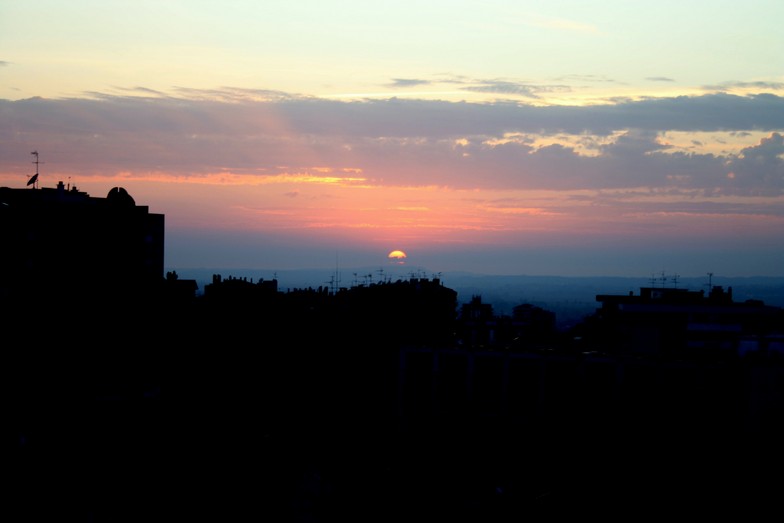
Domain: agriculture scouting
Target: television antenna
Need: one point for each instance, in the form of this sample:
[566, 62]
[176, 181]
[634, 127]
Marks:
[34, 178]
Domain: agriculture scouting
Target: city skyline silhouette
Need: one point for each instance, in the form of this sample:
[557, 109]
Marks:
[380, 397]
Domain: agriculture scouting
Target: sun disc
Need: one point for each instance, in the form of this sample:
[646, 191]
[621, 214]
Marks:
[396, 254]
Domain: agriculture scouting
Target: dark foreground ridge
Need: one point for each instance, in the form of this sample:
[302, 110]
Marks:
[130, 396]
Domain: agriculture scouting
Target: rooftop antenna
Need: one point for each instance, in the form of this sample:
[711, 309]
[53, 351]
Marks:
[675, 280]
[710, 281]
[336, 287]
[34, 179]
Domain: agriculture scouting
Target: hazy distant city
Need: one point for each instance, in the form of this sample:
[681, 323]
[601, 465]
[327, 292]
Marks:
[571, 298]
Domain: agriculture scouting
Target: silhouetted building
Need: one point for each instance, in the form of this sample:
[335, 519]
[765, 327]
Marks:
[178, 290]
[241, 289]
[477, 324]
[413, 311]
[527, 328]
[681, 324]
[416, 311]
[60, 240]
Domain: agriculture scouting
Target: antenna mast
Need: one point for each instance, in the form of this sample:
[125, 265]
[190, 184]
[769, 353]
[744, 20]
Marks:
[336, 277]
[34, 179]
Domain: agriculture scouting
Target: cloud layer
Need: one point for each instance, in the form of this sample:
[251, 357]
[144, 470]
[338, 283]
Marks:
[618, 145]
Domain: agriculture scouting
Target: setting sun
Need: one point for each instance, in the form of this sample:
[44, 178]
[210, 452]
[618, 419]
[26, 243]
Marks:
[397, 255]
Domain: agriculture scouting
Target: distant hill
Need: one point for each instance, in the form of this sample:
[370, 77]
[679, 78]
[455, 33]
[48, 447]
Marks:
[570, 297]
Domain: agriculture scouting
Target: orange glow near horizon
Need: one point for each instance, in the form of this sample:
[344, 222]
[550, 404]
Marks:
[324, 206]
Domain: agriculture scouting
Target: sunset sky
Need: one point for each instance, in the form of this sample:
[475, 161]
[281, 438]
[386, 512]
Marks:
[571, 138]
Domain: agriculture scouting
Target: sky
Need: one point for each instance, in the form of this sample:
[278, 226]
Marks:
[574, 138]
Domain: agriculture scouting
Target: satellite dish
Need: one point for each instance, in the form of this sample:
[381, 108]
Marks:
[120, 196]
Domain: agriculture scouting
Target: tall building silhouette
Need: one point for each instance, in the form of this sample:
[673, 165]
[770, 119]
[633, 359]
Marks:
[59, 241]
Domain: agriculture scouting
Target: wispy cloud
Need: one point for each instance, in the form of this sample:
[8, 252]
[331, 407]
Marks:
[514, 88]
[407, 82]
[586, 78]
[760, 85]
